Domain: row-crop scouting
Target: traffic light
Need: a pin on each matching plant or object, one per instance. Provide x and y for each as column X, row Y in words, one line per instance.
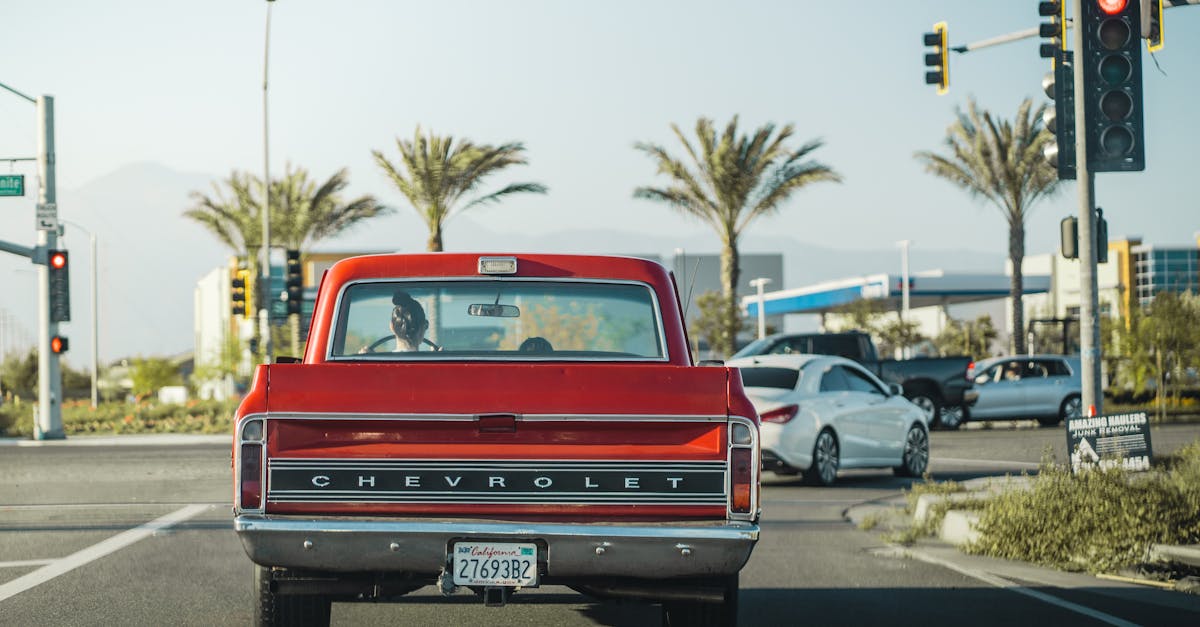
column 1152, row 24
column 1059, row 86
column 237, row 293
column 937, row 60
column 60, row 285
column 59, row 344
column 1069, row 237
column 1054, row 31
column 294, row 282
column 1111, row 62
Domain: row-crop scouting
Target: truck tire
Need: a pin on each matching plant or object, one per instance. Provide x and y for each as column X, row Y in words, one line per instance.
column 702, row 614
column 271, row 609
column 928, row 403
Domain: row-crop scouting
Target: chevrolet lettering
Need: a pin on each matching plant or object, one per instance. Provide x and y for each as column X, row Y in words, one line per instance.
column 488, row 423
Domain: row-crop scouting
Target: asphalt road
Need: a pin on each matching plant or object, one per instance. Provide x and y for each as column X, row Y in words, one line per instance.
column 79, row 545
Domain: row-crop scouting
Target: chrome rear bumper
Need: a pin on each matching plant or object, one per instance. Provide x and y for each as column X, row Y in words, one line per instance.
column 644, row 550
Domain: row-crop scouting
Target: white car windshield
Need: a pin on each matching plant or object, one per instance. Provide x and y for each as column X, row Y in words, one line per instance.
column 498, row 319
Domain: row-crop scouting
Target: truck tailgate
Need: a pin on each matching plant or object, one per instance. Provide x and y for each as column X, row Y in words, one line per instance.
column 497, row 440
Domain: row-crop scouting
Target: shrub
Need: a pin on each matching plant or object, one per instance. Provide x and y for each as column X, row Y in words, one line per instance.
column 1098, row 520
column 119, row 418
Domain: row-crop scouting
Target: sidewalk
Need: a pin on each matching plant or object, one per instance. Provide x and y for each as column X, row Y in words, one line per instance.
column 958, row 528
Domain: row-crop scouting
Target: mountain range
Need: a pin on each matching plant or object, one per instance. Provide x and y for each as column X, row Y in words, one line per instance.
column 150, row 256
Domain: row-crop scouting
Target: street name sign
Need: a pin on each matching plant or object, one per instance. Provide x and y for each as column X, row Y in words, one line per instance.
column 1116, row 441
column 12, row 184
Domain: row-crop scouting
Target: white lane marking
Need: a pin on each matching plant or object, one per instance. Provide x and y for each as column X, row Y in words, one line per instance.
column 985, row 462
column 26, row 563
column 1005, row 584
column 96, row 551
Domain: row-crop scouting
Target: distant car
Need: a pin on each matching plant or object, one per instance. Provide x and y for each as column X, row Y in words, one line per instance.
column 938, row 385
column 821, row 413
column 1046, row 388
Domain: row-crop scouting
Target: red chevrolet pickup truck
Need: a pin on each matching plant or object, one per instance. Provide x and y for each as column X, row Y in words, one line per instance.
column 492, row 423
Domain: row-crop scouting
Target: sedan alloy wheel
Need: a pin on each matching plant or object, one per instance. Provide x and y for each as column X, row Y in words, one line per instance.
column 916, row 453
column 825, row 460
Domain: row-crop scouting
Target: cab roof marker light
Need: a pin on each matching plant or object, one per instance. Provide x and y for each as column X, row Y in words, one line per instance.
column 497, row 265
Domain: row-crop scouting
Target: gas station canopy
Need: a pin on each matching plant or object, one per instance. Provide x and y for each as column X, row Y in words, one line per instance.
column 925, row 289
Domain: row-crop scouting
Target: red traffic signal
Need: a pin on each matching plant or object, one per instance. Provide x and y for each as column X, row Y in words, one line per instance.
column 1112, row 7
column 58, row 344
column 58, row 259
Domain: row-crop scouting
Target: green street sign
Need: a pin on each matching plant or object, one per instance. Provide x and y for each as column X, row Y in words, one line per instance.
column 12, row 184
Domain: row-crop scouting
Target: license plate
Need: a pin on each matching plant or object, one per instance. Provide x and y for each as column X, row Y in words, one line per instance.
column 494, row 564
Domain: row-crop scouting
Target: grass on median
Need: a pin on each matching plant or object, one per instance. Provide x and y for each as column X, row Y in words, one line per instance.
column 212, row 417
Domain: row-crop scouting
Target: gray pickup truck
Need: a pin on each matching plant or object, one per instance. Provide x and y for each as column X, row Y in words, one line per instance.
column 938, row 385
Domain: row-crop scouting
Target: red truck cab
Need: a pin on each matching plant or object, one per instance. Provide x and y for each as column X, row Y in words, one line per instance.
column 492, row 422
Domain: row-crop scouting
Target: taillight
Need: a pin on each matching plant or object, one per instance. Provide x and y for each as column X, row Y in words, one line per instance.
column 742, row 479
column 251, row 476
column 250, row 464
column 780, row 415
column 970, row 371
column 743, row 468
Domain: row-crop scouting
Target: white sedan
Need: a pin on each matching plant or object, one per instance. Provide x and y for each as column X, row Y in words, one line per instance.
column 820, row 413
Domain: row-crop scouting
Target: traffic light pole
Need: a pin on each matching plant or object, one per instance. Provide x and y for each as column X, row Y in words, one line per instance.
column 49, row 419
column 1089, row 323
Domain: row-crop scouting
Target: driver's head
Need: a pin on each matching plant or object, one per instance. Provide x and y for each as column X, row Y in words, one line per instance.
column 408, row 318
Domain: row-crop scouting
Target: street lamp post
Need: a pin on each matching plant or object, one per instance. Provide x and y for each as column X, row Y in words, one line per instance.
column 95, row 312
column 265, row 305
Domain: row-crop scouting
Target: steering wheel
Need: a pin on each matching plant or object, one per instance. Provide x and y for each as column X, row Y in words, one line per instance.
column 391, row 338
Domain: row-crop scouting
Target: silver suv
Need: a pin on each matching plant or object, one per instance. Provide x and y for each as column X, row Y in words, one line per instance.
column 1041, row 387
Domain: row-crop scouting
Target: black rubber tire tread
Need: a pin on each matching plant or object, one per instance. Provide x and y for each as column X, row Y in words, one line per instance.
column 272, row 610
column 701, row 614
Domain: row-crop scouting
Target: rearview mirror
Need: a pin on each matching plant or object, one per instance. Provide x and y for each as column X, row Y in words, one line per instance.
column 494, row 311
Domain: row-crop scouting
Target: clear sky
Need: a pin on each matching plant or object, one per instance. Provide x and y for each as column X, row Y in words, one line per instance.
column 180, row 84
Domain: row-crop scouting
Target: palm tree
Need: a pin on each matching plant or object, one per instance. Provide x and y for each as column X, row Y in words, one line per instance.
column 1001, row 162
column 308, row 213
column 728, row 182
column 438, row 172
column 302, row 213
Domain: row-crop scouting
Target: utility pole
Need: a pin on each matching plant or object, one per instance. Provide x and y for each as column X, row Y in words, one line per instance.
column 1089, row 327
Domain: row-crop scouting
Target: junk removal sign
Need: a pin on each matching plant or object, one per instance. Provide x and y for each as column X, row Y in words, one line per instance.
column 1117, row 441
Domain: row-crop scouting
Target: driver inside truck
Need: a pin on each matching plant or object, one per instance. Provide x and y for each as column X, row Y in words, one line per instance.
column 408, row 322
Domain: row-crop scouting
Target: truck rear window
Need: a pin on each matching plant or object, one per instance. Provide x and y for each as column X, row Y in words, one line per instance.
column 507, row 319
